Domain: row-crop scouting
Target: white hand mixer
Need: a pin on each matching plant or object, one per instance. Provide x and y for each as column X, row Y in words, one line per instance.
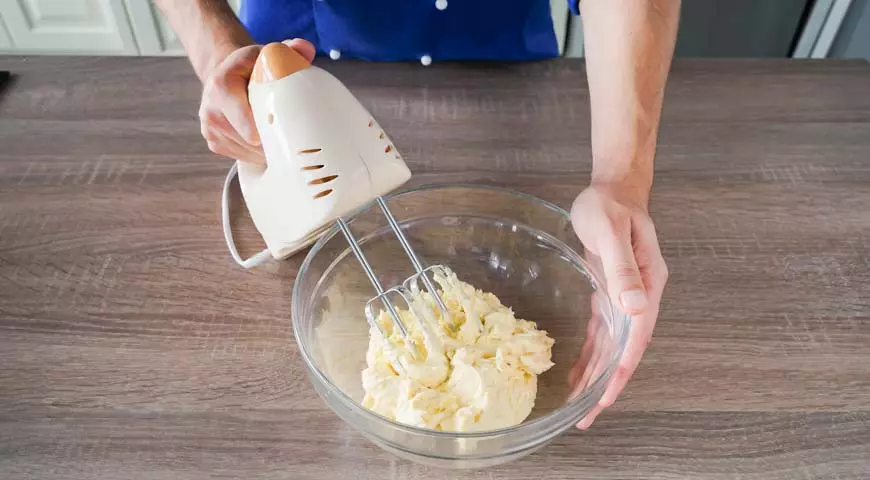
column 326, row 156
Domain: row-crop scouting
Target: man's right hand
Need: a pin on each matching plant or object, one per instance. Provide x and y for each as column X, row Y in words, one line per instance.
column 226, row 120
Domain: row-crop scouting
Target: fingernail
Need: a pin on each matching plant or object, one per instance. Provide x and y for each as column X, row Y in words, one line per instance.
column 633, row 300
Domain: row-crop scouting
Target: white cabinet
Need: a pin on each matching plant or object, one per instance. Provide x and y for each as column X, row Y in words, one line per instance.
column 66, row 26
column 5, row 41
column 86, row 27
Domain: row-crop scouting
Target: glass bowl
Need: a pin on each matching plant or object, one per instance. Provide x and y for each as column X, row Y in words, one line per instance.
column 516, row 246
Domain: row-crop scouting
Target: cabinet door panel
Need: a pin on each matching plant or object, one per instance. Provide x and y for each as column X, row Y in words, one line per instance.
column 5, row 40
column 66, row 26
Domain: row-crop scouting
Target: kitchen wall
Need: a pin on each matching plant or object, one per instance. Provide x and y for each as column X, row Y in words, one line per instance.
column 739, row 28
column 767, row 29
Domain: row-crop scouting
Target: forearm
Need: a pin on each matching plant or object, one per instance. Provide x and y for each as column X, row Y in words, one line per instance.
column 628, row 46
column 208, row 29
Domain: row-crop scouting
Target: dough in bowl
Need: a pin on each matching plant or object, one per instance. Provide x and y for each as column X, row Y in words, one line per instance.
column 475, row 370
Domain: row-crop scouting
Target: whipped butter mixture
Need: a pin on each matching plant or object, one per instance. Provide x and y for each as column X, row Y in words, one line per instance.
column 473, row 371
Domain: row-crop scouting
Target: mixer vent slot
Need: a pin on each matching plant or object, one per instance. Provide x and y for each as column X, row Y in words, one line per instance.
column 312, row 167
column 323, row 193
column 388, row 149
column 322, row 180
column 381, row 136
column 309, row 151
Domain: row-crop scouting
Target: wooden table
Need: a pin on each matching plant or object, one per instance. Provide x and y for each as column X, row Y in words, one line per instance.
column 132, row 347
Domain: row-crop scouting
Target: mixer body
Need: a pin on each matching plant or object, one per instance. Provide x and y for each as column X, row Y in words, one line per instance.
column 326, row 156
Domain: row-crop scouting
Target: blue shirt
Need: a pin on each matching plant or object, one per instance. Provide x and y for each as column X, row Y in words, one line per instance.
column 396, row 30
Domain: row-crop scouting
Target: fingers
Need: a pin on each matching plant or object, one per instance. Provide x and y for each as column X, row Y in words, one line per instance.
column 228, row 90
column 237, row 110
column 226, row 119
column 627, row 365
column 590, row 417
column 304, row 47
column 224, row 140
column 654, row 274
column 590, row 365
column 639, row 339
column 582, row 371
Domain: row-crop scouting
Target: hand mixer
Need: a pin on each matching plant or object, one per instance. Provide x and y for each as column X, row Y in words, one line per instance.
column 326, row 157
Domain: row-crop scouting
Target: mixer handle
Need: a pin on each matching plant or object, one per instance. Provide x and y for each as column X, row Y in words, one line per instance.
column 276, row 61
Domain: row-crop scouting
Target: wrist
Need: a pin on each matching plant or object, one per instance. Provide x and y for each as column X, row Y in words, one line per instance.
column 222, row 39
column 632, row 180
column 627, row 165
column 213, row 56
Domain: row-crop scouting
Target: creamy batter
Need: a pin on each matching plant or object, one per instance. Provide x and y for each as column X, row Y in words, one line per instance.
column 475, row 370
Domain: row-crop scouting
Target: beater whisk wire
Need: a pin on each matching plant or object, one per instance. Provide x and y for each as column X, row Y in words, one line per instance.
column 415, row 261
column 379, row 289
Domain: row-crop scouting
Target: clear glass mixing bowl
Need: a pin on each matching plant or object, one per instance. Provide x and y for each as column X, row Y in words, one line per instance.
column 516, row 246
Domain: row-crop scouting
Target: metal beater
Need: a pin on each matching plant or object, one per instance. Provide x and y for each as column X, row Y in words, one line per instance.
column 406, row 290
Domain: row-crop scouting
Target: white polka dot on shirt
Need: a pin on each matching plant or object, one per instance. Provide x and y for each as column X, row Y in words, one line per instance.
column 426, row 60
column 334, row 54
column 441, row 4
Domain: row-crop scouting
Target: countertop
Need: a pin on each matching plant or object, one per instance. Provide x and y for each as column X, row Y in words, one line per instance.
column 132, row 347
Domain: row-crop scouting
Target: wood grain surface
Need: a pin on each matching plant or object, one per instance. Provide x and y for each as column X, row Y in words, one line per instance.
column 132, row 347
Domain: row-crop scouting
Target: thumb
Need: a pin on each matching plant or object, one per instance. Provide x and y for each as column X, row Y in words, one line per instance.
column 624, row 282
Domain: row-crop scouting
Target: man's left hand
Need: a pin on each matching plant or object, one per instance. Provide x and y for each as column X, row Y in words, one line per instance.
column 613, row 223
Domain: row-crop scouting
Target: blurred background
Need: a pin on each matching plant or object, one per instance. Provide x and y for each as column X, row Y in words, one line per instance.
column 709, row 28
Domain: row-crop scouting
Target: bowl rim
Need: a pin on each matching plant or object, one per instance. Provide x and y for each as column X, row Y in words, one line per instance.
column 355, row 406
